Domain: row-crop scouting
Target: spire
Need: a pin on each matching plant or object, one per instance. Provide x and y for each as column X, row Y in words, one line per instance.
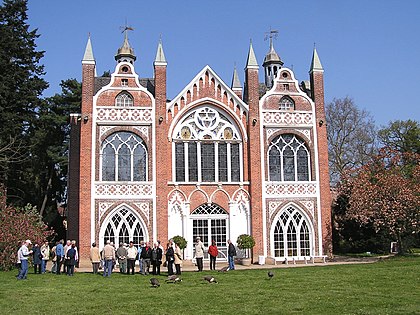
column 236, row 84
column 160, row 56
column 125, row 52
column 316, row 63
column 251, row 61
column 88, row 56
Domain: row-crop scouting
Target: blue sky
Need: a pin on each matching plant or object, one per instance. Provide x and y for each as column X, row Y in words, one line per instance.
column 370, row 50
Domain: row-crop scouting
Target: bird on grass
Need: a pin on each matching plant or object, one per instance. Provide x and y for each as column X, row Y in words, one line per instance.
column 154, row 282
column 210, row 279
column 270, row 274
column 173, row 279
column 224, row 269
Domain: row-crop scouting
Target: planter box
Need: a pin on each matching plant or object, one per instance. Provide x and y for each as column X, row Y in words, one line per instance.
column 246, row 261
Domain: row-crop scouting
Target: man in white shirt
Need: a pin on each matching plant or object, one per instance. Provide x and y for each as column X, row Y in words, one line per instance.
column 24, row 253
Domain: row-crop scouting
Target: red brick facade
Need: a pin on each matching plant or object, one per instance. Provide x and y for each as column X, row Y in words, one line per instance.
column 208, row 164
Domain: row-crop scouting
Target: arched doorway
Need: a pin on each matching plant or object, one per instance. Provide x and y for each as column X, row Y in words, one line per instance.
column 210, row 222
column 292, row 235
column 122, row 226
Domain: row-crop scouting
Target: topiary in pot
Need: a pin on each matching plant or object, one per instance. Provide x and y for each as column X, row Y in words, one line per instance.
column 245, row 242
column 181, row 242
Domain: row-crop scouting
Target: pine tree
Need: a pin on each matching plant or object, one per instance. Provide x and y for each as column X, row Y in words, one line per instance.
column 21, row 86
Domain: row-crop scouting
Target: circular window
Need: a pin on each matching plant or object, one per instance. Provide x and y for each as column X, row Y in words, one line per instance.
column 124, row 69
column 284, row 75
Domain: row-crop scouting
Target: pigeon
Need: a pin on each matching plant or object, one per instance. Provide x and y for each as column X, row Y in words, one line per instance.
column 224, row 269
column 270, row 274
column 173, row 279
column 154, row 282
column 210, row 279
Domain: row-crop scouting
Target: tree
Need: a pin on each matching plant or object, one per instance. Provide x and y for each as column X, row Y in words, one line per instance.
column 386, row 194
column 351, row 136
column 17, row 225
column 402, row 136
column 21, row 85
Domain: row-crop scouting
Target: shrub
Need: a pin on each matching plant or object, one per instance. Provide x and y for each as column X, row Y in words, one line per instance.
column 17, row 225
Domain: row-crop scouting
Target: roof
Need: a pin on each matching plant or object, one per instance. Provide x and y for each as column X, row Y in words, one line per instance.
column 148, row 83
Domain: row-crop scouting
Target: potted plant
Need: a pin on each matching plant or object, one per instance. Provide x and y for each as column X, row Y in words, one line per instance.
column 246, row 242
column 181, row 242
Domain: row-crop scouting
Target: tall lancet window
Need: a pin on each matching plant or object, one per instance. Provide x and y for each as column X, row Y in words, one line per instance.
column 207, row 147
column 124, row 158
column 288, row 159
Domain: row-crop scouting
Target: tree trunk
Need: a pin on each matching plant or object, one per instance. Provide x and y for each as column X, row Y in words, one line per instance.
column 44, row 202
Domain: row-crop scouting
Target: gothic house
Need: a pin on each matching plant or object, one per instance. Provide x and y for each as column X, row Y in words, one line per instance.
column 216, row 161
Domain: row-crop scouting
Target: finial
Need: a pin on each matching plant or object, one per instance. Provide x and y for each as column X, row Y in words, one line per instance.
column 270, row 35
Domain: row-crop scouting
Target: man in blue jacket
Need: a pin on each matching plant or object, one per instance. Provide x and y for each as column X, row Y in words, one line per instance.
column 59, row 251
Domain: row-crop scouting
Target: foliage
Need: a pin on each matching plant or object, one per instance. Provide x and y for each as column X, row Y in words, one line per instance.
column 18, row 225
column 21, row 85
column 245, row 241
column 351, row 136
column 180, row 241
column 386, row 194
column 387, row 287
column 402, row 136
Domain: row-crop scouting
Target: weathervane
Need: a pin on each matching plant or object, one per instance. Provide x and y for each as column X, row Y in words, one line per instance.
column 271, row 34
column 126, row 28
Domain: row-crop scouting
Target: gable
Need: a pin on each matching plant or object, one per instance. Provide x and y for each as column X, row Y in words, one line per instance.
column 207, row 85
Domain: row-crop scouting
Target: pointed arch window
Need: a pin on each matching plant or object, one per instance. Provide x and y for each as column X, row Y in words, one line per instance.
column 124, row 99
column 123, row 227
column 286, row 103
column 288, row 159
column 207, row 147
column 291, row 237
column 123, row 158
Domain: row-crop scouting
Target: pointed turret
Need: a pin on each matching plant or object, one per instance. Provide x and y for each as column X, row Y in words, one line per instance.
column 316, row 63
column 251, row 61
column 272, row 63
column 88, row 56
column 236, row 84
column 125, row 52
column 160, row 56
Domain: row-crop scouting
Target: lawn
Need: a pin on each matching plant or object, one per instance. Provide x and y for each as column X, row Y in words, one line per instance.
column 390, row 286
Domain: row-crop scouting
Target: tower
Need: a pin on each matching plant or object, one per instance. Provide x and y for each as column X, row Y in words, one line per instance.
column 272, row 62
column 162, row 145
column 254, row 135
column 316, row 74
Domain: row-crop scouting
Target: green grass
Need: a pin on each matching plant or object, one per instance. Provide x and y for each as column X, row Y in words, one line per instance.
column 389, row 286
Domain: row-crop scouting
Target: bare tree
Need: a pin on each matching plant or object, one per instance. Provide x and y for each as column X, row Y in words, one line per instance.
column 351, row 136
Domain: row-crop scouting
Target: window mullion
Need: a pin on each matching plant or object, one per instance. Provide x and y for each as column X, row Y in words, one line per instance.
column 216, row 162
column 199, row 161
column 229, row 162
column 186, row 161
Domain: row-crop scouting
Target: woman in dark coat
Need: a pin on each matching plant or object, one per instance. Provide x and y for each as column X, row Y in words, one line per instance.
column 71, row 260
column 37, row 258
column 170, row 258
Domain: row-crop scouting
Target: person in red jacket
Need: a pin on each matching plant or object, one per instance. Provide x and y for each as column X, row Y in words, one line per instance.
column 213, row 252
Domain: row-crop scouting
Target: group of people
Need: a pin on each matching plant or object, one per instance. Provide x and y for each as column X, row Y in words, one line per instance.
column 66, row 257
column 213, row 253
column 127, row 254
column 63, row 256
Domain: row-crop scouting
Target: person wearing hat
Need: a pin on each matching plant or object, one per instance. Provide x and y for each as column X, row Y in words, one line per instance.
column 24, row 253
column 199, row 253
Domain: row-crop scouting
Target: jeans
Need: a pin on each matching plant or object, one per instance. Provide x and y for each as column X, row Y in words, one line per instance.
column 44, row 266
column 108, row 268
column 231, row 263
column 54, row 267
column 24, row 269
